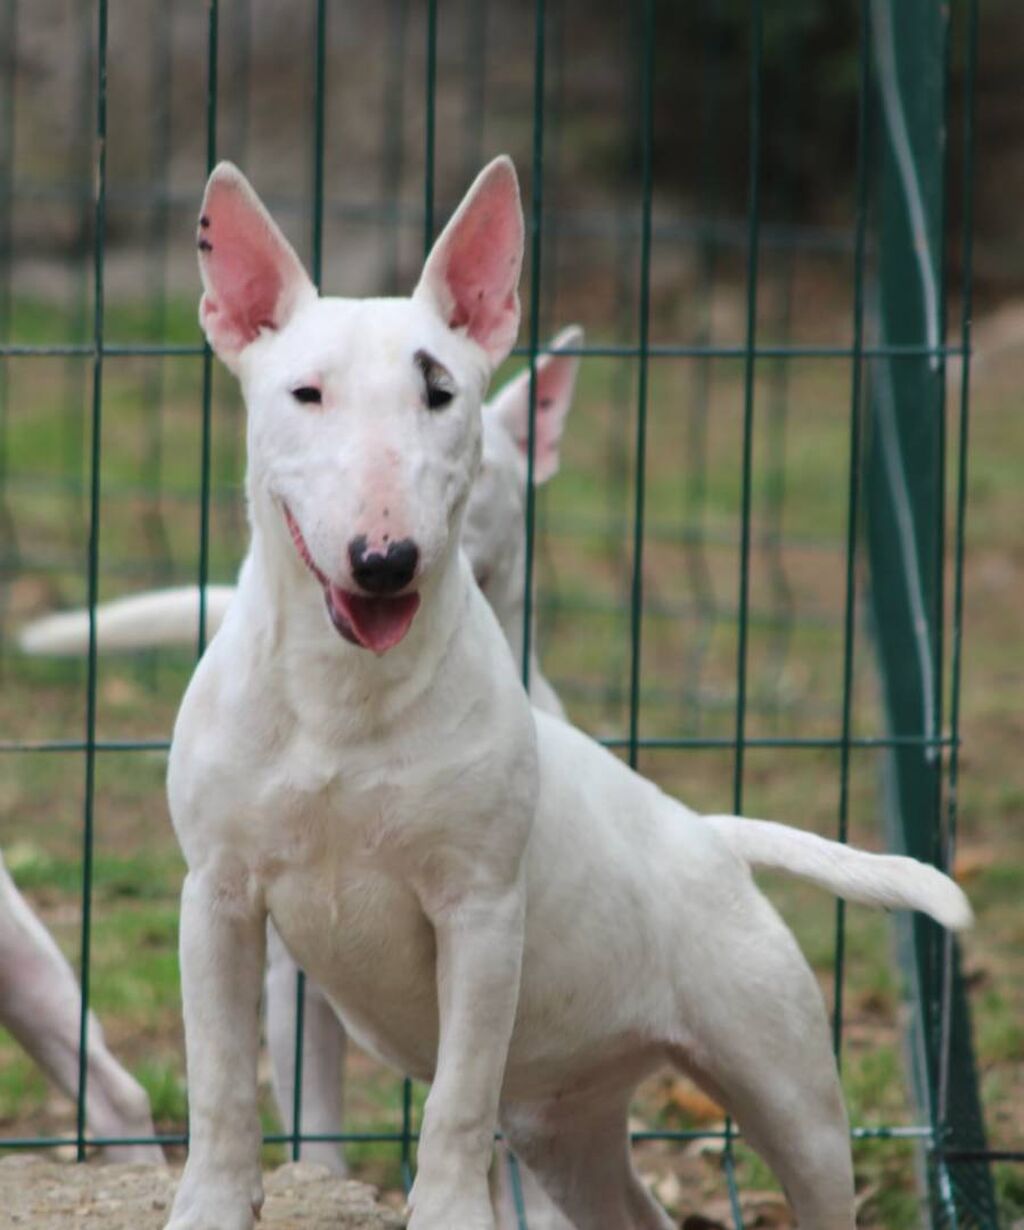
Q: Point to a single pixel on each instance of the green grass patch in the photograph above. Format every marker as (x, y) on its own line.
(22, 1086)
(164, 1082)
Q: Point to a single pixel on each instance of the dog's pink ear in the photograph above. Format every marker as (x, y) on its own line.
(472, 274)
(252, 279)
(556, 382)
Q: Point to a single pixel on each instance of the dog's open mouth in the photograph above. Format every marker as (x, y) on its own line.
(374, 623)
(368, 621)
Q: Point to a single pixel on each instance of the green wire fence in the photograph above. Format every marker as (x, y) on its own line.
(692, 641)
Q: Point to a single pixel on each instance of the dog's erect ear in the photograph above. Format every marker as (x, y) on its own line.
(472, 273)
(556, 382)
(252, 279)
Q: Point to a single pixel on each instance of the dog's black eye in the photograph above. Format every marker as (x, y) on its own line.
(438, 397)
(308, 395)
(437, 379)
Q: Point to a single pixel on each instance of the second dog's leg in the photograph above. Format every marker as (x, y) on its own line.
(579, 1150)
(40, 1003)
(223, 947)
(323, 1055)
(541, 1213)
(765, 1054)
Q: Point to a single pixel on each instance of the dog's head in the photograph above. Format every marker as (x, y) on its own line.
(494, 537)
(364, 415)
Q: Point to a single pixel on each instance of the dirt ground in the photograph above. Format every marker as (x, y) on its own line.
(47, 1195)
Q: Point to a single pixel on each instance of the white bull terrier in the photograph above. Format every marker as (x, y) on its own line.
(490, 900)
(494, 540)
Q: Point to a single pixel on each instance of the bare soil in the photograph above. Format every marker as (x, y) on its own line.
(47, 1195)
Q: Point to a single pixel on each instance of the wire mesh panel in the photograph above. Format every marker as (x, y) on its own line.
(719, 193)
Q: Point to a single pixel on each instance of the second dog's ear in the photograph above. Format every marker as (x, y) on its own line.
(472, 273)
(252, 279)
(556, 383)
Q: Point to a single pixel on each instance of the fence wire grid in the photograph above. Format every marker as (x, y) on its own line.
(695, 605)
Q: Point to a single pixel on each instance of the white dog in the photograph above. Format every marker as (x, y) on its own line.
(490, 900)
(495, 542)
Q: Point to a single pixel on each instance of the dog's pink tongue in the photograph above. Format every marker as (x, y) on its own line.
(376, 623)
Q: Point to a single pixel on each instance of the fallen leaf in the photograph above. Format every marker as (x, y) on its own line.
(692, 1103)
(971, 861)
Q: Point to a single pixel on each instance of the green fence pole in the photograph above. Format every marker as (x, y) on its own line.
(73, 443)
(958, 1110)
(99, 236)
(853, 498)
(430, 133)
(536, 220)
(392, 145)
(239, 38)
(967, 250)
(316, 269)
(213, 26)
(476, 14)
(153, 522)
(9, 560)
(905, 496)
(643, 339)
(695, 459)
(750, 354)
(620, 384)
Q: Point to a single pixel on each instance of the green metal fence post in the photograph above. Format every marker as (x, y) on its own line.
(392, 140)
(906, 507)
(534, 231)
(8, 39)
(154, 525)
(643, 344)
(213, 29)
(316, 270)
(853, 497)
(100, 182)
(694, 494)
(429, 153)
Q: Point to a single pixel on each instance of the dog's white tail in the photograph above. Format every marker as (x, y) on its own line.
(887, 880)
(143, 621)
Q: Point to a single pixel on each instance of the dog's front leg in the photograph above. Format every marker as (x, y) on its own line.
(222, 944)
(479, 954)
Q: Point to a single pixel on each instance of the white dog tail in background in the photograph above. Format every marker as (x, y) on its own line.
(887, 880)
(144, 621)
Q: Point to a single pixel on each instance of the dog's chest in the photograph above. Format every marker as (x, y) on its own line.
(336, 849)
(361, 934)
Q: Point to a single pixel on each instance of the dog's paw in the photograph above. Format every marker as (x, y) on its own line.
(212, 1219)
(433, 1209)
(453, 1216)
(216, 1206)
(213, 1216)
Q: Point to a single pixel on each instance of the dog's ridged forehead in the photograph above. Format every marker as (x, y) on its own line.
(340, 340)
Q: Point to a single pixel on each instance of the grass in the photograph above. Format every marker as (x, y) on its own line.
(687, 678)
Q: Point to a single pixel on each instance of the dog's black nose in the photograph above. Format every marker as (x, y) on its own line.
(383, 574)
